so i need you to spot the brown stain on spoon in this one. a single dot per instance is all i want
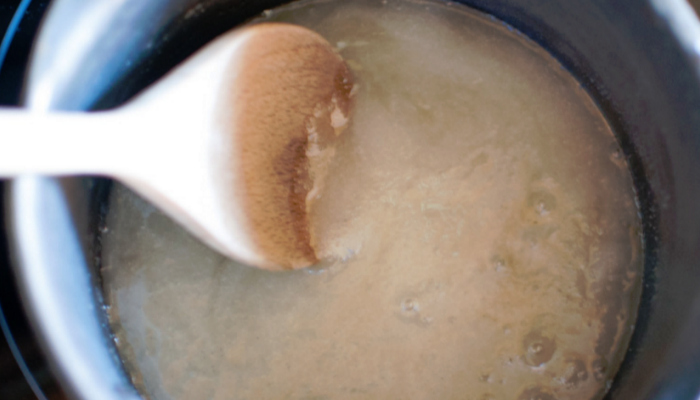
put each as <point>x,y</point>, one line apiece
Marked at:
<point>276,114</point>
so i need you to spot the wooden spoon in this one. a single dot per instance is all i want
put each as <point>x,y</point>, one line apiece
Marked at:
<point>220,143</point>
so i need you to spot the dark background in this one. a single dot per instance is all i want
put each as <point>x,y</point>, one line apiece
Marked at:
<point>14,385</point>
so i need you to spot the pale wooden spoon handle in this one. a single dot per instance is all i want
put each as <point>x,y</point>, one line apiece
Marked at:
<point>76,143</point>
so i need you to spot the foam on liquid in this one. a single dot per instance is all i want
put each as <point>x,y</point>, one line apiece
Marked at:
<point>478,223</point>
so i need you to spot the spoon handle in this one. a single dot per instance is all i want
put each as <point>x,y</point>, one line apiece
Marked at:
<point>62,143</point>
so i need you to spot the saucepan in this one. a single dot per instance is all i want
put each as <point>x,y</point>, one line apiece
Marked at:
<point>639,60</point>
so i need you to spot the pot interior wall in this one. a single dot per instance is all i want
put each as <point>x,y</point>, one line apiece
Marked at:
<point>624,54</point>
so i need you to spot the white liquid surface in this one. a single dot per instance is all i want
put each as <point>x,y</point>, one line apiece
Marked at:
<point>479,224</point>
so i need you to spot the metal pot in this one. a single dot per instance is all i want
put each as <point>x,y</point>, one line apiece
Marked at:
<point>639,59</point>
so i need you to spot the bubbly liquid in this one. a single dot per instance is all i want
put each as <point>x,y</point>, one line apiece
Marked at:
<point>479,228</point>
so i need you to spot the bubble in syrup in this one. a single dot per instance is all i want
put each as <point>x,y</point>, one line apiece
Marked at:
<point>617,156</point>
<point>536,393</point>
<point>409,306</point>
<point>317,269</point>
<point>542,202</point>
<point>500,264</point>
<point>600,368</point>
<point>575,372</point>
<point>538,348</point>
<point>485,377</point>
<point>106,307</point>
